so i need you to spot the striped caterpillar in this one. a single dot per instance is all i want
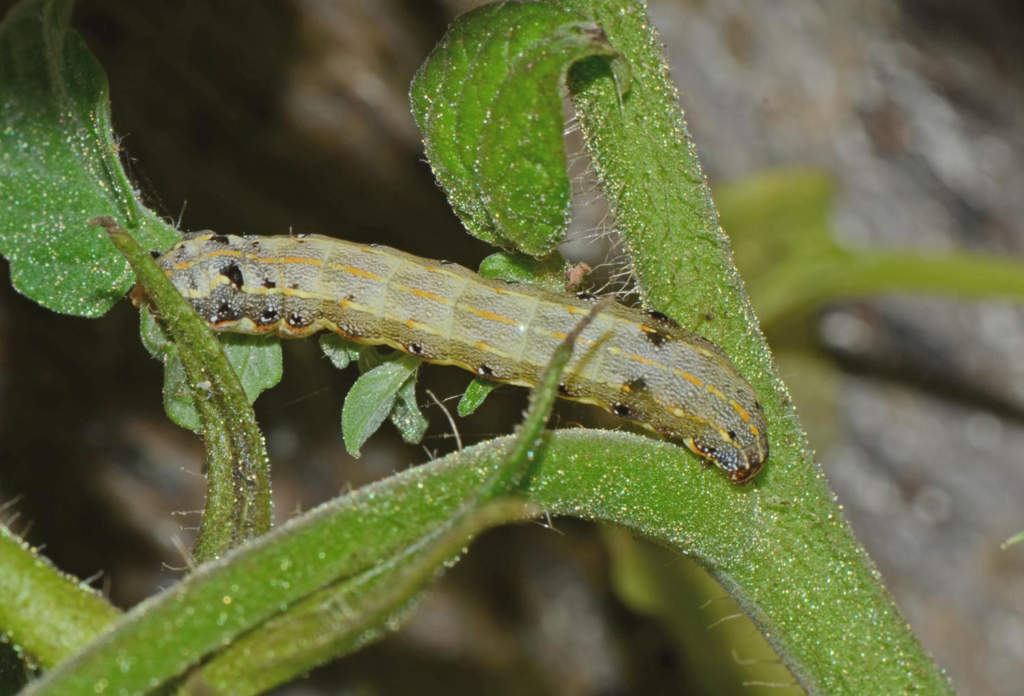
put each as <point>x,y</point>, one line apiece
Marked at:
<point>639,365</point>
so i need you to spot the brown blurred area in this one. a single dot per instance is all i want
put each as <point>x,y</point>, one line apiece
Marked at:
<point>268,117</point>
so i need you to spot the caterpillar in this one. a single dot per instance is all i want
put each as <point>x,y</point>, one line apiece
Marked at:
<point>639,365</point>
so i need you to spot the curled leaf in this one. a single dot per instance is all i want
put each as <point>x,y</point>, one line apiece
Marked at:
<point>489,103</point>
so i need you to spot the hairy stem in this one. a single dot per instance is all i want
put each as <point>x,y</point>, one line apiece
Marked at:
<point>798,571</point>
<point>238,470</point>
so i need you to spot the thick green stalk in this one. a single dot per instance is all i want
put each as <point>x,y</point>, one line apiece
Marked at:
<point>798,570</point>
<point>238,470</point>
<point>49,616</point>
<point>655,490</point>
<point>342,618</point>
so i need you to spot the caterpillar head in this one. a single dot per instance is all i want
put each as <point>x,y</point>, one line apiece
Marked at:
<point>740,458</point>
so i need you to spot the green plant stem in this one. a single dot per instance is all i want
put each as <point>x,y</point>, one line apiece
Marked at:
<point>342,618</point>
<point>801,285</point>
<point>48,615</point>
<point>654,490</point>
<point>238,470</point>
<point>647,164</point>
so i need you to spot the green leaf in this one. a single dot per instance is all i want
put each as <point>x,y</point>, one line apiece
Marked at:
<point>548,272</point>
<point>372,398</point>
<point>406,414</point>
<point>341,352</point>
<point>404,411</point>
<point>59,172</point>
<point>59,167</point>
<point>179,402</point>
<point>255,359</point>
<point>449,96</point>
<point>475,394</point>
<point>488,101</point>
<point>1015,539</point>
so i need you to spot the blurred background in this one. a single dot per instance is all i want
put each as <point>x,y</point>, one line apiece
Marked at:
<point>831,132</point>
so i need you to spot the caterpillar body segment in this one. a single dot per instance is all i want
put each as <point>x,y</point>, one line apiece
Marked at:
<point>639,365</point>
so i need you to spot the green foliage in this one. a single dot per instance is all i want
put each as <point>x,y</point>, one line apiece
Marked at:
<point>59,167</point>
<point>373,398</point>
<point>407,416</point>
<point>319,558</point>
<point>548,273</point>
<point>359,607</point>
<point>339,351</point>
<point>59,171</point>
<point>386,389</point>
<point>405,413</point>
<point>475,395</point>
<point>489,104</point>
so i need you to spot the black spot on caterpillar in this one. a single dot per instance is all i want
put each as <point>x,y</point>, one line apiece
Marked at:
<point>225,313</point>
<point>233,273</point>
<point>639,364</point>
<point>655,337</point>
<point>622,411</point>
<point>269,316</point>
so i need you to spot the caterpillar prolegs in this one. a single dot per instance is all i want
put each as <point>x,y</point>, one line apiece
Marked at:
<point>639,365</point>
